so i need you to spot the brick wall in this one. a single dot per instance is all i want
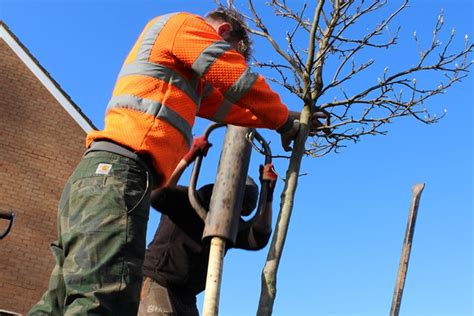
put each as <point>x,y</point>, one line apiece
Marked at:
<point>40,145</point>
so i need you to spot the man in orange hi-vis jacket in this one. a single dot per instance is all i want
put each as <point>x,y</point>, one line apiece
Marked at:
<point>181,66</point>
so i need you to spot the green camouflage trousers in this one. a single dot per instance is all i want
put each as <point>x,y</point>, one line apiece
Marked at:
<point>102,219</point>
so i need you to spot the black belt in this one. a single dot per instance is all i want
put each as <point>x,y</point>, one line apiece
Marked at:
<point>108,146</point>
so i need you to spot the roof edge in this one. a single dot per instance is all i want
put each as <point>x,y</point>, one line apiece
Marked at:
<point>45,78</point>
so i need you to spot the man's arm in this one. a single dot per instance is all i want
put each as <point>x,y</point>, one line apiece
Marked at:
<point>289,135</point>
<point>256,236</point>
<point>217,64</point>
<point>263,223</point>
<point>172,200</point>
<point>225,70</point>
<point>200,146</point>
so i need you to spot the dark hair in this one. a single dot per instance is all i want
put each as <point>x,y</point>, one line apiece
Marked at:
<point>239,31</point>
<point>250,195</point>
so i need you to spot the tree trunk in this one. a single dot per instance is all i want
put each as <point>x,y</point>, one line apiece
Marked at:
<point>269,273</point>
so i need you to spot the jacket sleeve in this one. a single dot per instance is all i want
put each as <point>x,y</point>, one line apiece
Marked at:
<point>249,238</point>
<point>200,48</point>
<point>213,104</point>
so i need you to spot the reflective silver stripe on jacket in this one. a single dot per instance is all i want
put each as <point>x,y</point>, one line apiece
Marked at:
<point>222,111</point>
<point>163,73</point>
<point>142,66</point>
<point>205,60</point>
<point>235,93</point>
<point>154,108</point>
<point>149,38</point>
<point>207,90</point>
<point>208,56</point>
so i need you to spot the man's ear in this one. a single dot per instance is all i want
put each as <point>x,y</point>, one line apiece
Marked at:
<point>224,30</point>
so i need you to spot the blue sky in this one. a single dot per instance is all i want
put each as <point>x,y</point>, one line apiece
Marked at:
<point>342,252</point>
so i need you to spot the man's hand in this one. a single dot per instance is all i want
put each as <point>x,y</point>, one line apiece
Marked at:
<point>316,123</point>
<point>267,173</point>
<point>288,136</point>
<point>200,147</point>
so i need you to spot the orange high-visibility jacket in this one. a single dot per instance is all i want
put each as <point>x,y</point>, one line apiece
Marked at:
<point>179,68</point>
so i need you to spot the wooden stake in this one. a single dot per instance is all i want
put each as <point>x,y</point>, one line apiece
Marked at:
<point>405,256</point>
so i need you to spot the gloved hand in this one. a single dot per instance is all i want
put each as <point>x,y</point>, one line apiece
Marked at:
<point>288,136</point>
<point>315,123</point>
<point>200,147</point>
<point>267,173</point>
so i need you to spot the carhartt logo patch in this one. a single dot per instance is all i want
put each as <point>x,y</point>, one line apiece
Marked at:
<point>103,168</point>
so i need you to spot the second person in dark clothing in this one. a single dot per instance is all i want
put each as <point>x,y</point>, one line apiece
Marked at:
<point>176,260</point>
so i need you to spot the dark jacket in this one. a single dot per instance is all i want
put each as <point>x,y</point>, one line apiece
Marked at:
<point>177,258</point>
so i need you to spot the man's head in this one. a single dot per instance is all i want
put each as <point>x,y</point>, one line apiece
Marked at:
<point>250,196</point>
<point>230,25</point>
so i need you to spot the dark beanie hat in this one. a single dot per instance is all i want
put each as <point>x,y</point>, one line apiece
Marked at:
<point>250,195</point>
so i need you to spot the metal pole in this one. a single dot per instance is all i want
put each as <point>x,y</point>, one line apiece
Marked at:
<point>224,210</point>
<point>405,256</point>
<point>214,277</point>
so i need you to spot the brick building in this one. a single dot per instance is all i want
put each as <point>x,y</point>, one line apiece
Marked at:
<point>42,139</point>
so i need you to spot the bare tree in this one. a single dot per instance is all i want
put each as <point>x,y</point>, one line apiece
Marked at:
<point>321,55</point>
